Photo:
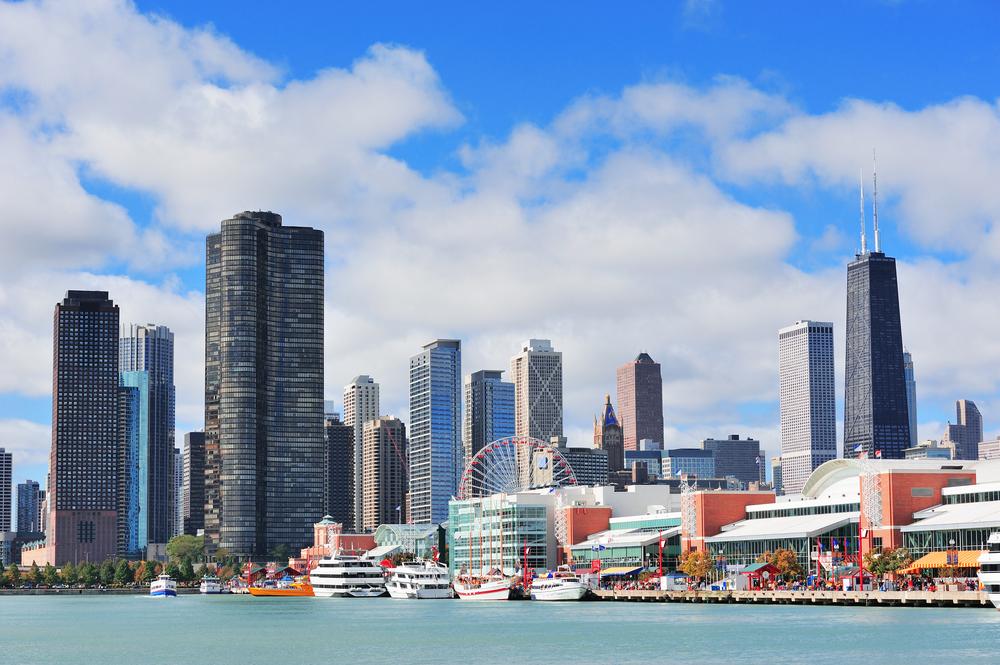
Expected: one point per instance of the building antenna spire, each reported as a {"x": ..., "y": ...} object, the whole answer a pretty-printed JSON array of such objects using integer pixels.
[
  {"x": 861, "y": 187},
  {"x": 878, "y": 242}
]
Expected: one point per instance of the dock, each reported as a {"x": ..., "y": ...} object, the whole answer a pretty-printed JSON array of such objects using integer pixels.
[{"x": 849, "y": 598}]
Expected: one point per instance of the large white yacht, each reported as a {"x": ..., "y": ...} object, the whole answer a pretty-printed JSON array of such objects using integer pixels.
[
  {"x": 563, "y": 584},
  {"x": 989, "y": 569},
  {"x": 163, "y": 586},
  {"x": 345, "y": 575},
  {"x": 419, "y": 579},
  {"x": 211, "y": 584}
]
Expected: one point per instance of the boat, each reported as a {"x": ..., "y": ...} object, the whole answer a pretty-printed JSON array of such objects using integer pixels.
[
  {"x": 285, "y": 587},
  {"x": 989, "y": 569},
  {"x": 163, "y": 586},
  {"x": 563, "y": 584},
  {"x": 211, "y": 584},
  {"x": 419, "y": 579},
  {"x": 488, "y": 587},
  {"x": 347, "y": 575}
]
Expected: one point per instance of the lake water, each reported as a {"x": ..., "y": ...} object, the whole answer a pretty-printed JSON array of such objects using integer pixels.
[{"x": 241, "y": 629}]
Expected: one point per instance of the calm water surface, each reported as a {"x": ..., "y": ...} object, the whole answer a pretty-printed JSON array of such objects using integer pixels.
[{"x": 242, "y": 629}]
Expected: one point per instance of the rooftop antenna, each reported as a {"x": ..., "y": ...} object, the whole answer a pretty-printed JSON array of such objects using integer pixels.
[
  {"x": 878, "y": 243},
  {"x": 861, "y": 186}
]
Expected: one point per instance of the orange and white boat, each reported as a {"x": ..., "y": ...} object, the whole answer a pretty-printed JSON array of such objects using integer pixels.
[{"x": 282, "y": 587}]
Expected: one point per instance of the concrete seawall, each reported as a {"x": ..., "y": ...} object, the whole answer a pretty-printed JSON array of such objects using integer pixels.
[
  {"x": 86, "y": 592},
  {"x": 851, "y": 598}
]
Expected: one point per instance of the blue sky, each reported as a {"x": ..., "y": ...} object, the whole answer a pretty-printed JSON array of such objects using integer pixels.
[{"x": 673, "y": 177}]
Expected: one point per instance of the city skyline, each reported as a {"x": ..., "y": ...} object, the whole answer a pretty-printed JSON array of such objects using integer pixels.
[{"x": 635, "y": 190}]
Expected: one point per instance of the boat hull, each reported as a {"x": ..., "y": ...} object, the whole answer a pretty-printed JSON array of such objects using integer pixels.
[
  {"x": 425, "y": 594},
  {"x": 163, "y": 593},
  {"x": 489, "y": 591},
  {"x": 571, "y": 591},
  {"x": 349, "y": 592},
  {"x": 301, "y": 591}
]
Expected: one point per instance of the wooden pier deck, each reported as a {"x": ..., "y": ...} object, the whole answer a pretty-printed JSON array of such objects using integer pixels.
[{"x": 850, "y": 598}]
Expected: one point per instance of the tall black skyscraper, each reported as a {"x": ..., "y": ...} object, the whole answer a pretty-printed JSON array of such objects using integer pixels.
[
  {"x": 876, "y": 417},
  {"x": 264, "y": 442},
  {"x": 338, "y": 484},
  {"x": 83, "y": 465},
  {"x": 193, "y": 483},
  {"x": 28, "y": 501}
]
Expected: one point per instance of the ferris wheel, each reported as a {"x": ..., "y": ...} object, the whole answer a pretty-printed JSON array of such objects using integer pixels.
[{"x": 512, "y": 465}]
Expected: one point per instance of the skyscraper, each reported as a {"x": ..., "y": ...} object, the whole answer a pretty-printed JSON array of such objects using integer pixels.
[
  {"x": 435, "y": 458},
  {"x": 338, "y": 462},
  {"x": 133, "y": 466},
  {"x": 83, "y": 464},
  {"x": 6, "y": 473},
  {"x": 193, "y": 492},
  {"x": 489, "y": 411},
  {"x": 361, "y": 399},
  {"x": 28, "y": 501},
  {"x": 776, "y": 482},
  {"x": 807, "y": 399},
  {"x": 148, "y": 350},
  {"x": 876, "y": 416},
  {"x": 538, "y": 391},
  {"x": 737, "y": 457},
  {"x": 263, "y": 384},
  {"x": 911, "y": 395},
  {"x": 177, "y": 496},
  {"x": 384, "y": 447},
  {"x": 640, "y": 401},
  {"x": 967, "y": 432},
  {"x": 608, "y": 436}
]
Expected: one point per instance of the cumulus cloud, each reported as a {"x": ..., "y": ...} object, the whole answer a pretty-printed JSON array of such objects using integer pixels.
[{"x": 28, "y": 441}]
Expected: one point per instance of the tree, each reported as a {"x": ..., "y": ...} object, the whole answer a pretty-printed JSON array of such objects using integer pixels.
[
  {"x": 280, "y": 553},
  {"x": 13, "y": 575},
  {"x": 34, "y": 574},
  {"x": 139, "y": 576},
  {"x": 87, "y": 573},
  {"x": 173, "y": 570},
  {"x": 187, "y": 571},
  {"x": 787, "y": 563},
  {"x": 152, "y": 570},
  {"x": 186, "y": 547},
  {"x": 69, "y": 573},
  {"x": 106, "y": 575},
  {"x": 50, "y": 576},
  {"x": 696, "y": 564},
  {"x": 123, "y": 574},
  {"x": 887, "y": 560},
  {"x": 201, "y": 572}
]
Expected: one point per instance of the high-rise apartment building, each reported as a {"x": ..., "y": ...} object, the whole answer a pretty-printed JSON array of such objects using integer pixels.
[
  {"x": 263, "y": 384},
  {"x": 28, "y": 507},
  {"x": 83, "y": 464},
  {"x": 590, "y": 465},
  {"x": 737, "y": 457},
  {"x": 435, "y": 458},
  {"x": 384, "y": 448},
  {"x": 609, "y": 437},
  {"x": 911, "y": 395},
  {"x": 133, "y": 463},
  {"x": 338, "y": 462},
  {"x": 967, "y": 431},
  {"x": 876, "y": 415},
  {"x": 990, "y": 449},
  {"x": 640, "y": 401},
  {"x": 193, "y": 483},
  {"x": 776, "y": 475},
  {"x": 6, "y": 475},
  {"x": 149, "y": 350},
  {"x": 489, "y": 411},
  {"x": 177, "y": 496},
  {"x": 807, "y": 401},
  {"x": 538, "y": 390},
  {"x": 361, "y": 404}
]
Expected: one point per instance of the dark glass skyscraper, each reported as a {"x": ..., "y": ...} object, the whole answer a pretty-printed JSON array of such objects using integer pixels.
[
  {"x": 193, "y": 483},
  {"x": 263, "y": 384},
  {"x": 28, "y": 501},
  {"x": 146, "y": 361},
  {"x": 83, "y": 464},
  {"x": 489, "y": 411},
  {"x": 338, "y": 483},
  {"x": 876, "y": 418}
]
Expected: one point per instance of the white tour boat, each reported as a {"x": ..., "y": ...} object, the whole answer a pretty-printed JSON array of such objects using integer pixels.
[
  {"x": 163, "y": 586},
  {"x": 419, "y": 579},
  {"x": 344, "y": 575},
  {"x": 563, "y": 584},
  {"x": 989, "y": 569},
  {"x": 211, "y": 584},
  {"x": 490, "y": 587}
]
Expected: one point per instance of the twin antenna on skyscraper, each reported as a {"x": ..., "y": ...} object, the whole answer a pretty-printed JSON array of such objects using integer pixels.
[{"x": 861, "y": 186}]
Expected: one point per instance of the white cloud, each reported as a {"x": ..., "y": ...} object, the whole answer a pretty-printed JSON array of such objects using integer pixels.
[{"x": 29, "y": 442}]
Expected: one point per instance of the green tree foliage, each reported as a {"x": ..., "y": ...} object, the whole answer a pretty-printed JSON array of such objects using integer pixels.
[
  {"x": 123, "y": 574},
  {"x": 34, "y": 574},
  {"x": 187, "y": 571},
  {"x": 173, "y": 570},
  {"x": 887, "y": 560},
  {"x": 186, "y": 547},
  {"x": 696, "y": 564},
  {"x": 106, "y": 574},
  {"x": 50, "y": 577},
  {"x": 69, "y": 574},
  {"x": 280, "y": 553},
  {"x": 201, "y": 572},
  {"x": 87, "y": 573},
  {"x": 139, "y": 576},
  {"x": 785, "y": 560},
  {"x": 12, "y": 577},
  {"x": 152, "y": 570}
]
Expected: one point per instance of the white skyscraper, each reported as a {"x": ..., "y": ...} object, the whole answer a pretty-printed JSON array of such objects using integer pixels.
[
  {"x": 360, "y": 406},
  {"x": 538, "y": 393},
  {"x": 911, "y": 396},
  {"x": 177, "y": 525},
  {"x": 808, "y": 407}
]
